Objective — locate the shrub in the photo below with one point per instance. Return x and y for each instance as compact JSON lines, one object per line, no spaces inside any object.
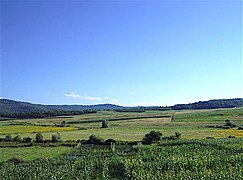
{"x":95,"y":140}
{"x":82,"y":141}
{"x":151,"y":137}
{"x":230,"y":123}
{"x":178,"y":135}
{"x":39,"y":138}
{"x":17,"y":138}
{"x":27,"y":139}
{"x":56,"y":138}
{"x":63,"y":123}
{"x":104,"y":123}
{"x":110,"y":141}
{"x":8,"y":138}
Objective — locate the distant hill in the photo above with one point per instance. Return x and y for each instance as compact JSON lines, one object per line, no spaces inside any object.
{"x":12,"y":107}
{"x":211,"y":104}
{"x":9,"y":108}
{"x":83,"y":107}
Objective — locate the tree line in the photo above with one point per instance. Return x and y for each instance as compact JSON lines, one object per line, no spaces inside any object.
{"x":26,"y":115}
{"x":211,"y":104}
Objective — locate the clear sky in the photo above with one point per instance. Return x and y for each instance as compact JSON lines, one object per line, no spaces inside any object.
{"x":127,"y":53}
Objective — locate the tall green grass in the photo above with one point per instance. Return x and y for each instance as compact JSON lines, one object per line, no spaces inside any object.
{"x":181,"y":159}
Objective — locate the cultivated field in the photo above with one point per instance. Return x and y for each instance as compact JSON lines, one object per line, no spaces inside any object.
{"x":129,"y":126}
{"x":192,"y":156}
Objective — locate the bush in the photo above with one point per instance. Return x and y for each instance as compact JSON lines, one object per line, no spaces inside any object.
{"x":63,"y":123}
{"x":82,"y":141}
{"x":104,"y":123}
{"x":95,"y":140}
{"x":241,"y":128}
{"x":109,"y":141}
{"x":8,"y":138}
{"x":27,"y":140}
{"x":151,"y":137}
{"x":230,"y":123}
{"x":56,"y":138}
{"x":17,"y":138}
{"x":178,"y":135}
{"x":39,"y":138}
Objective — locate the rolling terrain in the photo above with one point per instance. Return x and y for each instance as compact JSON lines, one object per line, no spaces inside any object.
{"x":205,"y":149}
{"x":9,"y":107}
{"x":15,"y":107}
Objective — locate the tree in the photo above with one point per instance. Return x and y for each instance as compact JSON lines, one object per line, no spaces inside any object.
{"x":109,"y":141}
{"x":104,"y":123}
{"x":17,"y":138}
{"x":39,"y":138}
{"x":27,"y":140}
{"x":94,"y":140}
{"x":63,"y":123}
{"x":56,"y":138}
{"x":151,"y":137}
{"x":230,"y":123}
{"x":178,"y":135}
{"x":8,"y":138}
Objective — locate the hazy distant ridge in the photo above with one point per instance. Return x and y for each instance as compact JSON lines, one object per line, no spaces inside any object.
{"x":211,"y":104}
{"x":13,"y":107}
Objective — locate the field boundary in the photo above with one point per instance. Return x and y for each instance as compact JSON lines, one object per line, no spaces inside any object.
{"x":118,"y":119}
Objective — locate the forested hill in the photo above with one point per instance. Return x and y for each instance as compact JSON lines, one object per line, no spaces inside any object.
{"x":211,"y":104}
{"x":84,"y":107}
{"x":10,"y":108}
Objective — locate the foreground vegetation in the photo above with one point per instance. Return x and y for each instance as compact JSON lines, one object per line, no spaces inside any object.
{"x":187,"y":144}
{"x":178,"y":159}
{"x":32,"y":152}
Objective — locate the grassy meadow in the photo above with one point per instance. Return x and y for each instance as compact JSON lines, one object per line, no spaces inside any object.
{"x":193,"y":156}
{"x":123,"y":126}
{"x":129,"y":126}
{"x":32,"y":153}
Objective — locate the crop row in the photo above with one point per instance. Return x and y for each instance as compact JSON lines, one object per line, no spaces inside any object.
{"x":180,"y":159}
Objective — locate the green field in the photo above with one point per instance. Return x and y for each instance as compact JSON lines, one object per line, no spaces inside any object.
{"x":192,"y":156}
{"x":179,"y":159}
{"x":31,"y":153}
{"x":191,"y":123}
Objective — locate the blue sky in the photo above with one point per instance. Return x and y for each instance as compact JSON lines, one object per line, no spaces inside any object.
{"x":127,"y":53}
